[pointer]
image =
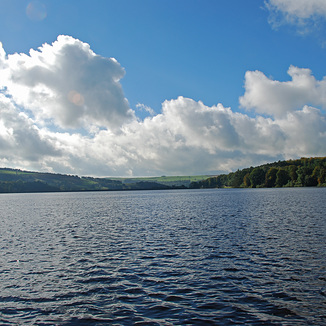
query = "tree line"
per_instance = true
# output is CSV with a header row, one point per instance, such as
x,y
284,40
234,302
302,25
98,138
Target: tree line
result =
x,y
304,172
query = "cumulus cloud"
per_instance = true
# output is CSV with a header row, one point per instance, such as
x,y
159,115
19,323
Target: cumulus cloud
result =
x,y
21,142
186,138
68,85
189,138
305,132
275,98
306,15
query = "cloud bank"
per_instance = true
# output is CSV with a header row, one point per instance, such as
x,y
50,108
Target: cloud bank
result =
x,y
62,109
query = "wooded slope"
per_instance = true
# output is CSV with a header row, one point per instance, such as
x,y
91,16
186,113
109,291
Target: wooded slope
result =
x,y
304,172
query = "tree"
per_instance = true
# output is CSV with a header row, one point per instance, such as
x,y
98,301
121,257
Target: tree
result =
x,y
292,169
270,178
257,177
322,176
235,179
302,172
312,179
282,177
246,181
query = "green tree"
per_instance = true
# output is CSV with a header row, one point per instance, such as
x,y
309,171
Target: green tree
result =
x,y
292,169
257,177
246,180
312,179
235,179
270,178
322,176
303,172
282,177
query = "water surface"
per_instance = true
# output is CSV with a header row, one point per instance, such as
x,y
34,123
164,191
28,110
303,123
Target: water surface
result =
x,y
188,257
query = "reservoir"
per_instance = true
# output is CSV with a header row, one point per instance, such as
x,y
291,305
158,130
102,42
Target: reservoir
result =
x,y
173,257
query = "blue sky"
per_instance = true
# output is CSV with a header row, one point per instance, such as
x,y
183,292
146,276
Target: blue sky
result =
x,y
179,72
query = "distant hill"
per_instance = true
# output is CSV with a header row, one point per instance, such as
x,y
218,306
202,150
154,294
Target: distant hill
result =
x,y
15,180
12,180
171,181
304,172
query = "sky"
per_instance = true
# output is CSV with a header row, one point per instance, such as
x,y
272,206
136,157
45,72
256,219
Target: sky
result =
x,y
160,87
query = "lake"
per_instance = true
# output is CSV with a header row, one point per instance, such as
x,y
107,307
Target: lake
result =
x,y
174,257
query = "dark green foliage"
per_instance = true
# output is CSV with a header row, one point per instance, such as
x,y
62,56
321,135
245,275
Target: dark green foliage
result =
x,y
270,178
22,181
236,179
304,172
145,185
257,177
246,180
282,177
20,186
293,173
322,176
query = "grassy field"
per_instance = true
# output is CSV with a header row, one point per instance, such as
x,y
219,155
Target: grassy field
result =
x,y
165,180
14,172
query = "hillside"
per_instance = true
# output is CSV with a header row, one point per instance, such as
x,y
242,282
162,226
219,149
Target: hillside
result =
x,y
14,180
304,172
171,181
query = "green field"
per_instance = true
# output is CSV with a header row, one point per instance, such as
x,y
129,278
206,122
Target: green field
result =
x,y
171,181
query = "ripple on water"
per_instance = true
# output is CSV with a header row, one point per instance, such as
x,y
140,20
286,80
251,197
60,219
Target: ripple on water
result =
x,y
216,257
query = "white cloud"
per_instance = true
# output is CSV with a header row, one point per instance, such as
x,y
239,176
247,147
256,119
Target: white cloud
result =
x,y
68,84
299,8
21,142
306,132
187,137
143,107
272,97
305,14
